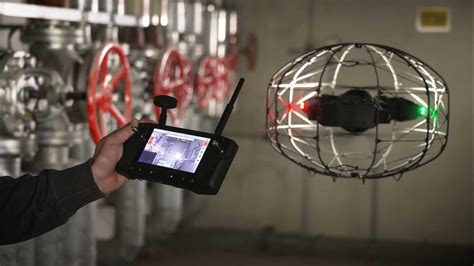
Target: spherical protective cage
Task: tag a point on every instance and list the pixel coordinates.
(108, 78)
(174, 77)
(387, 149)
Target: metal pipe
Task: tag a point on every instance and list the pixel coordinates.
(82, 229)
(52, 248)
(166, 213)
(88, 243)
(62, 246)
(130, 219)
(21, 254)
(57, 247)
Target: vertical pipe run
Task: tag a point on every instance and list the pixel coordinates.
(166, 212)
(49, 248)
(155, 12)
(81, 228)
(53, 248)
(222, 26)
(164, 18)
(222, 33)
(197, 17)
(233, 21)
(146, 18)
(213, 29)
(180, 17)
(130, 219)
(88, 243)
(21, 254)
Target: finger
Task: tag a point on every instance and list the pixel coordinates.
(134, 123)
(97, 148)
(120, 135)
(121, 179)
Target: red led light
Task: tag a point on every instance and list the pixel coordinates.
(302, 105)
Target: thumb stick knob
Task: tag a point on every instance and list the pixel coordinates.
(165, 102)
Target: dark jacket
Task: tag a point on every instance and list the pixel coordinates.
(32, 205)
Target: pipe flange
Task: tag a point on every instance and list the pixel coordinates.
(10, 147)
(53, 35)
(53, 138)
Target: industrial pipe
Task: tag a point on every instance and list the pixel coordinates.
(21, 254)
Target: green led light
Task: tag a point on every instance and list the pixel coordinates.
(422, 111)
(432, 113)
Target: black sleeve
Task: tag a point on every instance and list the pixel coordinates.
(32, 205)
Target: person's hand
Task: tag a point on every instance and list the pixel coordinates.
(107, 154)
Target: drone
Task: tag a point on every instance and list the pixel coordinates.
(358, 110)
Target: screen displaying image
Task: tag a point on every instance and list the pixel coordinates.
(174, 150)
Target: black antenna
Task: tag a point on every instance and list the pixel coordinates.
(228, 109)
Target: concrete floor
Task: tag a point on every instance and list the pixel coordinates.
(213, 247)
(232, 258)
(218, 248)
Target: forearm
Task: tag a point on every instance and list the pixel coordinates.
(33, 205)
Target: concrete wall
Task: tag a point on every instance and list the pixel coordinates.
(431, 204)
(472, 109)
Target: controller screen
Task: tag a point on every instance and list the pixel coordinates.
(174, 150)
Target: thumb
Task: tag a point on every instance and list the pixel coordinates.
(120, 135)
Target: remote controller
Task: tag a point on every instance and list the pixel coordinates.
(193, 160)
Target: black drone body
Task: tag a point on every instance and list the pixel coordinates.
(357, 111)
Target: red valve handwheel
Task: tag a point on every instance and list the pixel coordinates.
(212, 80)
(173, 77)
(251, 51)
(101, 89)
(232, 55)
